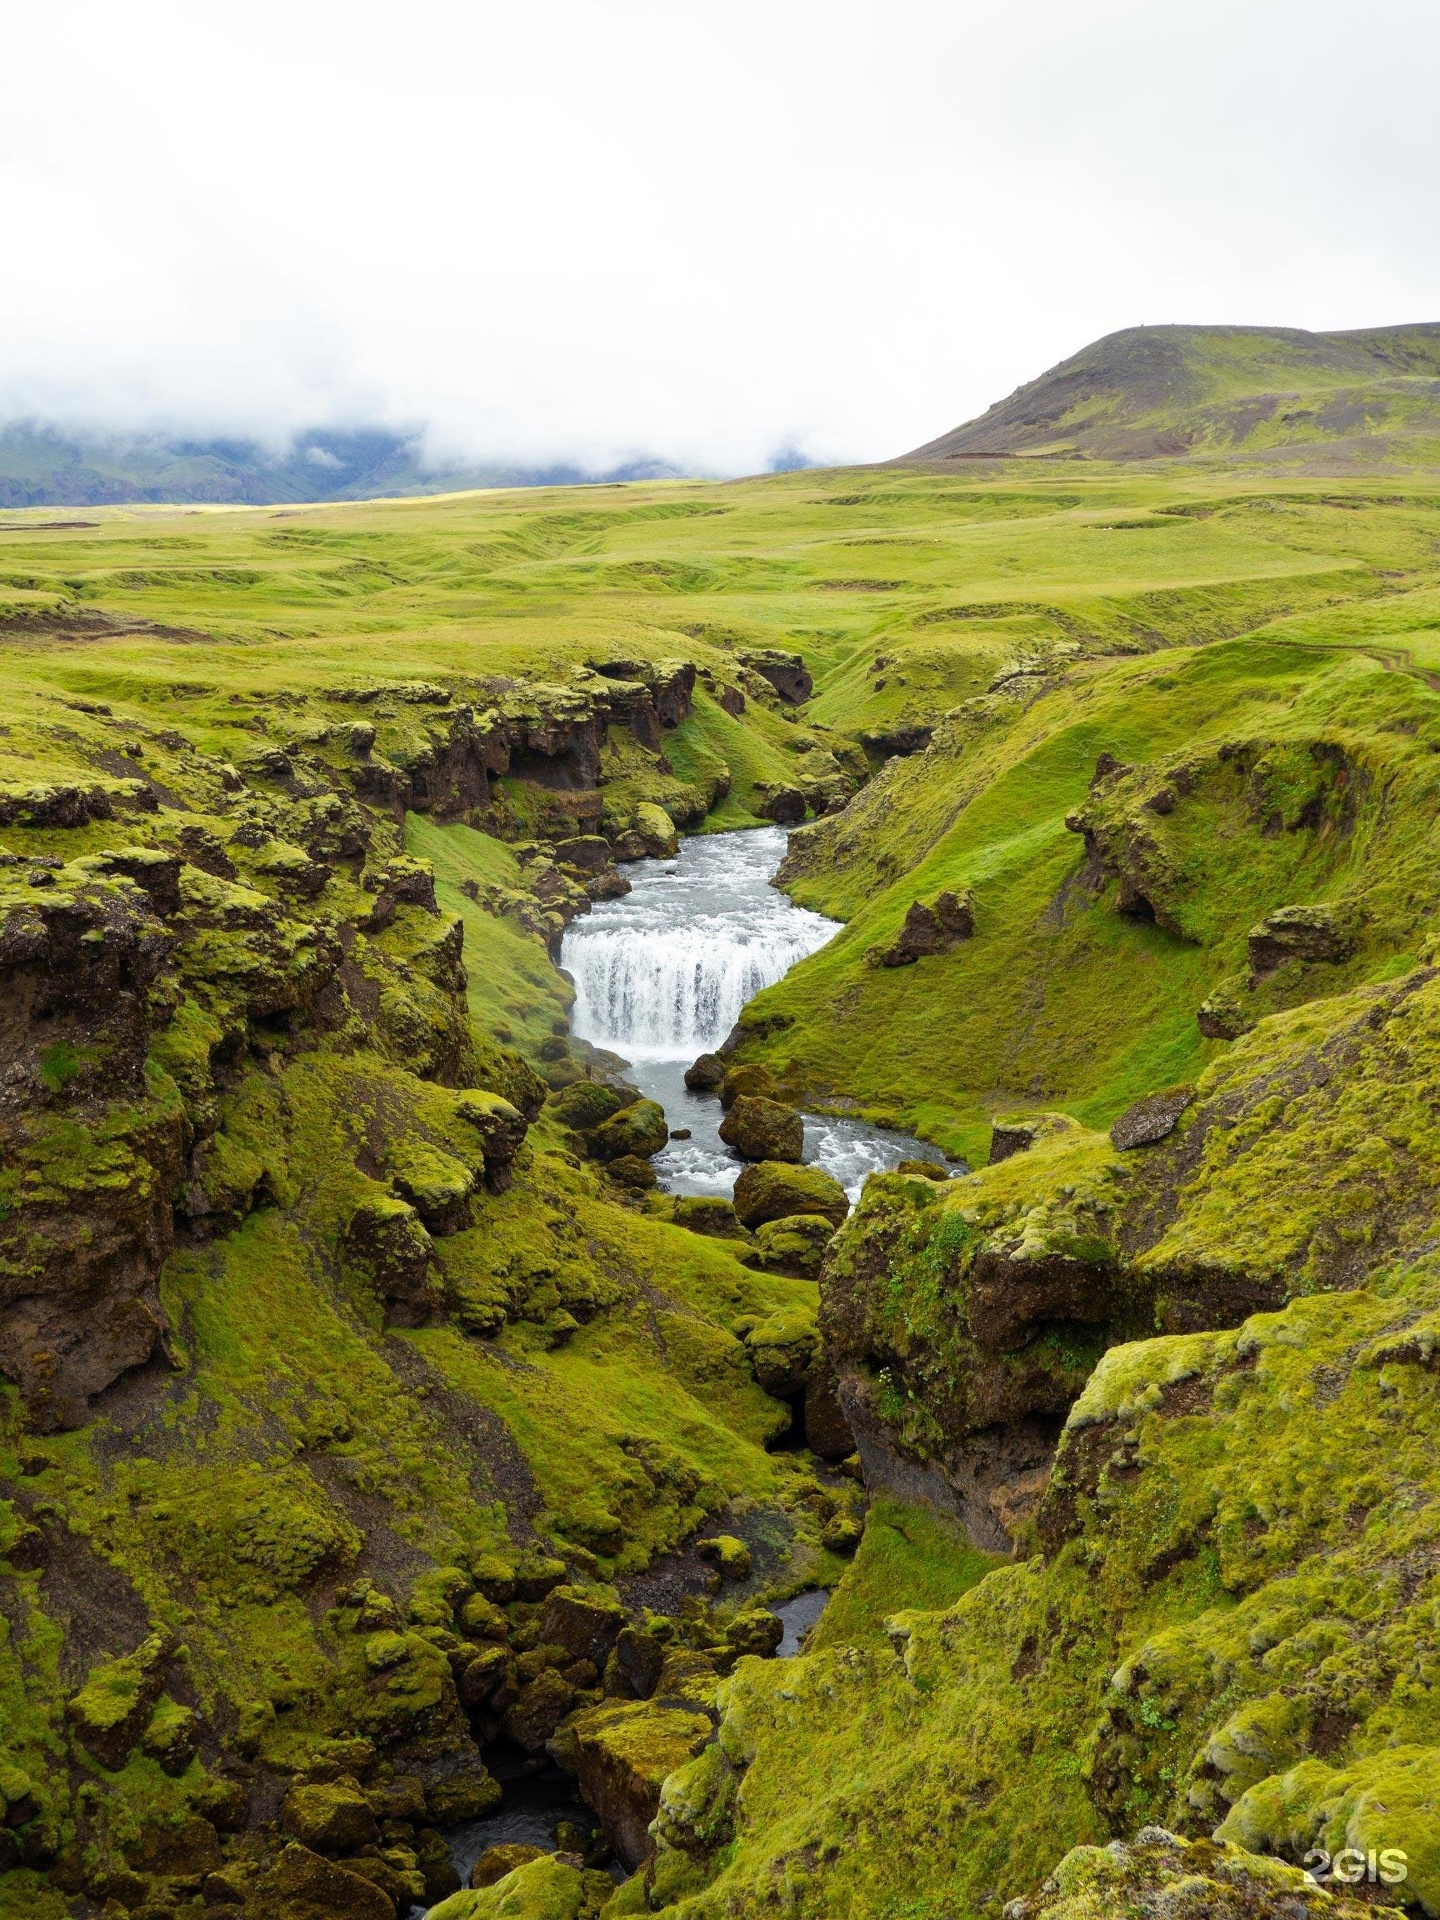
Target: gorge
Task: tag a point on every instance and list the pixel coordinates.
(405, 1436)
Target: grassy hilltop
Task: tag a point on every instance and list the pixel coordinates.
(362, 1403)
(1265, 396)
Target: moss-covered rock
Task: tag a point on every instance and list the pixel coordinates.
(775, 1191)
(729, 1554)
(545, 1889)
(113, 1708)
(637, 1131)
(750, 1077)
(761, 1129)
(1161, 1873)
(794, 1244)
(497, 1861)
(622, 1754)
(329, 1816)
(708, 1214)
(586, 1103)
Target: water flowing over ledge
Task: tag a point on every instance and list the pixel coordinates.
(662, 974)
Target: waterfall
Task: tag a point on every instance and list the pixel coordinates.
(668, 993)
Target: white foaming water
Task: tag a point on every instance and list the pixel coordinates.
(661, 975)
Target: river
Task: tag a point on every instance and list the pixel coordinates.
(662, 974)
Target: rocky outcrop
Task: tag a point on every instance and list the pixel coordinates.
(1150, 1119)
(785, 673)
(931, 926)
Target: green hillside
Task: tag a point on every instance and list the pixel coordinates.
(363, 1399)
(1264, 396)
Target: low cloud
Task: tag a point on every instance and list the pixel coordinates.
(647, 233)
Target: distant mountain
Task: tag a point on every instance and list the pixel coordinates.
(43, 467)
(1261, 394)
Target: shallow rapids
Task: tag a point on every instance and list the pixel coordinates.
(662, 974)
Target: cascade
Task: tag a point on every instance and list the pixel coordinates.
(662, 975)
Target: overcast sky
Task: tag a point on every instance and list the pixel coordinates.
(586, 231)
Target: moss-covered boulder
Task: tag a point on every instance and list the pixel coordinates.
(781, 1346)
(545, 1889)
(726, 1552)
(637, 1130)
(633, 1172)
(756, 1632)
(332, 1816)
(760, 1129)
(303, 1885)
(794, 1245)
(496, 1862)
(584, 1623)
(777, 1191)
(622, 1753)
(657, 830)
(707, 1213)
(586, 1103)
(501, 1127)
(436, 1183)
(752, 1077)
(705, 1073)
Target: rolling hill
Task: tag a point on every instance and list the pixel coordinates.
(1269, 395)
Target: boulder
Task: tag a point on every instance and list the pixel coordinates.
(786, 806)
(639, 1130)
(539, 1710)
(781, 1347)
(757, 1632)
(657, 830)
(709, 1214)
(633, 1670)
(794, 1246)
(329, 1817)
(496, 1862)
(587, 1103)
(622, 1752)
(752, 1077)
(467, 1793)
(631, 1171)
(923, 1169)
(586, 1625)
(589, 852)
(1007, 1296)
(729, 1554)
(550, 1888)
(483, 1677)
(705, 1073)
(1150, 1119)
(774, 1191)
(760, 1129)
(305, 1886)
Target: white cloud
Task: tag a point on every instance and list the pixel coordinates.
(575, 232)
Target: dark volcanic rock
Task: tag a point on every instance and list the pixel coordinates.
(931, 926)
(1150, 1119)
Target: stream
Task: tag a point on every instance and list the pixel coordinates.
(662, 974)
